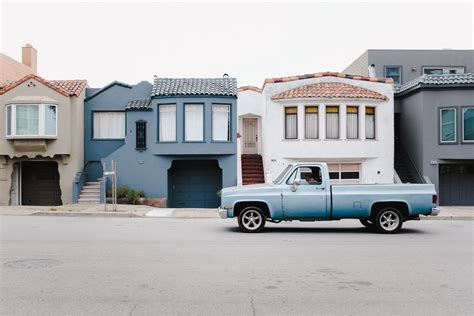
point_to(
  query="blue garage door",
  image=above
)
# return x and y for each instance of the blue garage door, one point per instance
(194, 183)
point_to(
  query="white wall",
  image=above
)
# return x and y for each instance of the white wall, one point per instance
(375, 156)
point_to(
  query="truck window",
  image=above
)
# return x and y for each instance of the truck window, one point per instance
(306, 176)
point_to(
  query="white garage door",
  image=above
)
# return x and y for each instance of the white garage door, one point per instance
(344, 173)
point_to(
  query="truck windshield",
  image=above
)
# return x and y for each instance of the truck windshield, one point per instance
(282, 174)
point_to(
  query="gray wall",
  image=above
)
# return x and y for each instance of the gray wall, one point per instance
(420, 129)
(114, 98)
(409, 58)
(419, 58)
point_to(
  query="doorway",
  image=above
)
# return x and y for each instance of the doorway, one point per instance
(250, 136)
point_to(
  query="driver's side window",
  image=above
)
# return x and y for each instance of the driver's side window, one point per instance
(305, 176)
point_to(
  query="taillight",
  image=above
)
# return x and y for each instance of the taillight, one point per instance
(435, 199)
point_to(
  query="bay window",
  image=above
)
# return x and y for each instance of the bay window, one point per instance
(109, 125)
(167, 122)
(447, 125)
(352, 122)
(332, 122)
(194, 122)
(468, 124)
(370, 123)
(220, 122)
(311, 122)
(31, 120)
(291, 122)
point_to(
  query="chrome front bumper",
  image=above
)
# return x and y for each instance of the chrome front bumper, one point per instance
(222, 212)
(435, 211)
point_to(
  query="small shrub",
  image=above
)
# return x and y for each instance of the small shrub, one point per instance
(125, 192)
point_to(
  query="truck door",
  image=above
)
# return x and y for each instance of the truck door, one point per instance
(304, 194)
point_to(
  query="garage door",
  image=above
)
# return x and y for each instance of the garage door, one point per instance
(456, 184)
(194, 183)
(40, 183)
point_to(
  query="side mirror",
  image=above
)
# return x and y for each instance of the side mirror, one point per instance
(295, 185)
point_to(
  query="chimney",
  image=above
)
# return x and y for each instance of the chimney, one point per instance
(371, 71)
(28, 57)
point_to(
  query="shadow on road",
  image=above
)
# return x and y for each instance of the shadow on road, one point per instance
(324, 230)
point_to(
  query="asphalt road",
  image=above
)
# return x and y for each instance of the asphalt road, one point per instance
(125, 266)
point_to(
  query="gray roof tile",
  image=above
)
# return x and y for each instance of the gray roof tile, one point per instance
(139, 105)
(194, 86)
(436, 81)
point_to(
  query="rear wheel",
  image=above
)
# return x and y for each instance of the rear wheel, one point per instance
(251, 220)
(367, 223)
(389, 220)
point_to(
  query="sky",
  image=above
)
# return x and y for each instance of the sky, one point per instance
(133, 41)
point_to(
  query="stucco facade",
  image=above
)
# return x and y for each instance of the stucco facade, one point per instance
(66, 148)
(160, 168)
(11, 70)
(373, 156)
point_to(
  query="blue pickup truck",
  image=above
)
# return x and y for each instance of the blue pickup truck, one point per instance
(303, 192)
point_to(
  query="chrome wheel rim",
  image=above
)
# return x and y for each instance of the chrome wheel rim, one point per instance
(252, 220)
(389, 220)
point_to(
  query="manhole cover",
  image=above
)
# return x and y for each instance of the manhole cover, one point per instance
(32, 263)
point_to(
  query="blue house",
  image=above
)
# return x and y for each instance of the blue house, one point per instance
(175, 139)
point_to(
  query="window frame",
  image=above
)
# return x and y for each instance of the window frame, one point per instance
(41, 121)
(400, 67)
(375, 122)
(463, 108)
(229, 118)
(175, 123)
(144, 137)
(108, 139)
(423, 67)
(284, 118)
(203, 122)
(440, 126)
(338, 121)
(317, 121)
(358, 122)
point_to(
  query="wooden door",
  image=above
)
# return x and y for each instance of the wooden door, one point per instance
(250, 136)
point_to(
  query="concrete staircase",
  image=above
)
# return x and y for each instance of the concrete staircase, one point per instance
(90, 193)
(252, 169)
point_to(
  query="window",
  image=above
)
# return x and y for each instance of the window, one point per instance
(291, 122)
(109, 125)
(311, 122)
(35, 120)
(439, 70)
(332, 122)
(167, 129)
(140, 129)
(370, 123)
(468, 124)
(395, 73)
(344, 173)
(306, 176)
(194, 122)
(448, 125)
(352, 122)
(220, 122)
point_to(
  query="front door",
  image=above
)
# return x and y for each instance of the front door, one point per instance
(304, 194)
(250, 136)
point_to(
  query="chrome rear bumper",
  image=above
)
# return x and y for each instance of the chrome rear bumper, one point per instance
(222, 212)
(435, 211)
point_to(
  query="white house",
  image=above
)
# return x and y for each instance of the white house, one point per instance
(343, 120)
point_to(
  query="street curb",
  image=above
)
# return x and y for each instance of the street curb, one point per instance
(85, 214)
(447, 218)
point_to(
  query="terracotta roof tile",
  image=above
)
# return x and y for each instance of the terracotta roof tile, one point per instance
(327, 74)
(251, 88)
(64, 87)
(329, 90)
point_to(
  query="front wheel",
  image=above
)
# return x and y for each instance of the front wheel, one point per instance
(389, 220)
(251, 220)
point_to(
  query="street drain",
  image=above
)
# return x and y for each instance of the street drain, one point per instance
(32, 263)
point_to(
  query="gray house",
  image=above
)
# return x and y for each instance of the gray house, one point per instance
(434, 116)
(174, 139)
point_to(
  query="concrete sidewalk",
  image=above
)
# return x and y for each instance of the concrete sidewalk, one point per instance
(123, 210)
